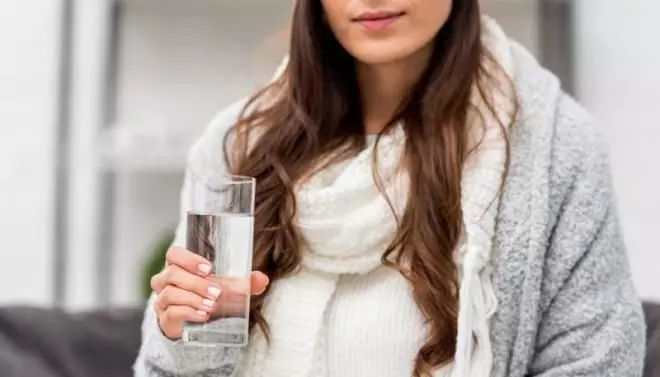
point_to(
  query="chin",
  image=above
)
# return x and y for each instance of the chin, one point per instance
(376, 55)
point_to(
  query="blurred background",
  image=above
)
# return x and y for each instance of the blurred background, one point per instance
(100, 100)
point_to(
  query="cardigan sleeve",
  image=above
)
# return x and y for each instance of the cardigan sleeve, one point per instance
(592, 322)
(594, 326)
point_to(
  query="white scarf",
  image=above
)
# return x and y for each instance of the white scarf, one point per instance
(347, 225)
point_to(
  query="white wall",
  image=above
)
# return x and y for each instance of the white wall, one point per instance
(618, 76)
(519, 18)
(180, 63)
(28, 79)
(89, 65)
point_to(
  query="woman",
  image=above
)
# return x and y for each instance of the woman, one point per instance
(429, 204)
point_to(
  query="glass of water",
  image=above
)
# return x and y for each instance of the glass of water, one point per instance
(220, 220)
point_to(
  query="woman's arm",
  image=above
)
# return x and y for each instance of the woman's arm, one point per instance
(161, 357)
(592, 322)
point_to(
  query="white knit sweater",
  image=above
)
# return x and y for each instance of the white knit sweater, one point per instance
(372, 327)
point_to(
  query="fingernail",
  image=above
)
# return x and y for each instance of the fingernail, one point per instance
(204, 268)
(208, 303)
(214, 292)
(201, 313)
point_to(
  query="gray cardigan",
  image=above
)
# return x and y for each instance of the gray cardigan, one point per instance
(567, 305)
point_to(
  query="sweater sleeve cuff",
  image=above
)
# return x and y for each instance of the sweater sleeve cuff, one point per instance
(166, 355)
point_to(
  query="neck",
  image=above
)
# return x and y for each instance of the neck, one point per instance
(383, 87)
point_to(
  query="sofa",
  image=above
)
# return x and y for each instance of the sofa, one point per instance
(652, 364)
(38, 342)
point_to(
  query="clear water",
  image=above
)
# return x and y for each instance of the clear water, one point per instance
(226, 241)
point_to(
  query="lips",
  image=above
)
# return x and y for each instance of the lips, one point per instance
(378, 20)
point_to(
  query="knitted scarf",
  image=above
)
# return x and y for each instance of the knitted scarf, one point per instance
(347, 224)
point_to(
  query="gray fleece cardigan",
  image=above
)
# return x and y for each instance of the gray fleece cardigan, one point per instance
(567, 305)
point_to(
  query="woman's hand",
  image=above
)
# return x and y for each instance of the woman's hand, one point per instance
(187, 293)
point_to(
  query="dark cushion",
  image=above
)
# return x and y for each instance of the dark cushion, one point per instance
(37, 342)
(652, 365)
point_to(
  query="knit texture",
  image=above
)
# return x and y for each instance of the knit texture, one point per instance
(566, 303)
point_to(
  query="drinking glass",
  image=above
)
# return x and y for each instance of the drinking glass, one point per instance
(220, 220)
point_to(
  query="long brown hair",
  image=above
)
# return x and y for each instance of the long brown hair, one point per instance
(313, 110)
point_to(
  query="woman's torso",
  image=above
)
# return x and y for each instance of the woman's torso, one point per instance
(372, 325)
